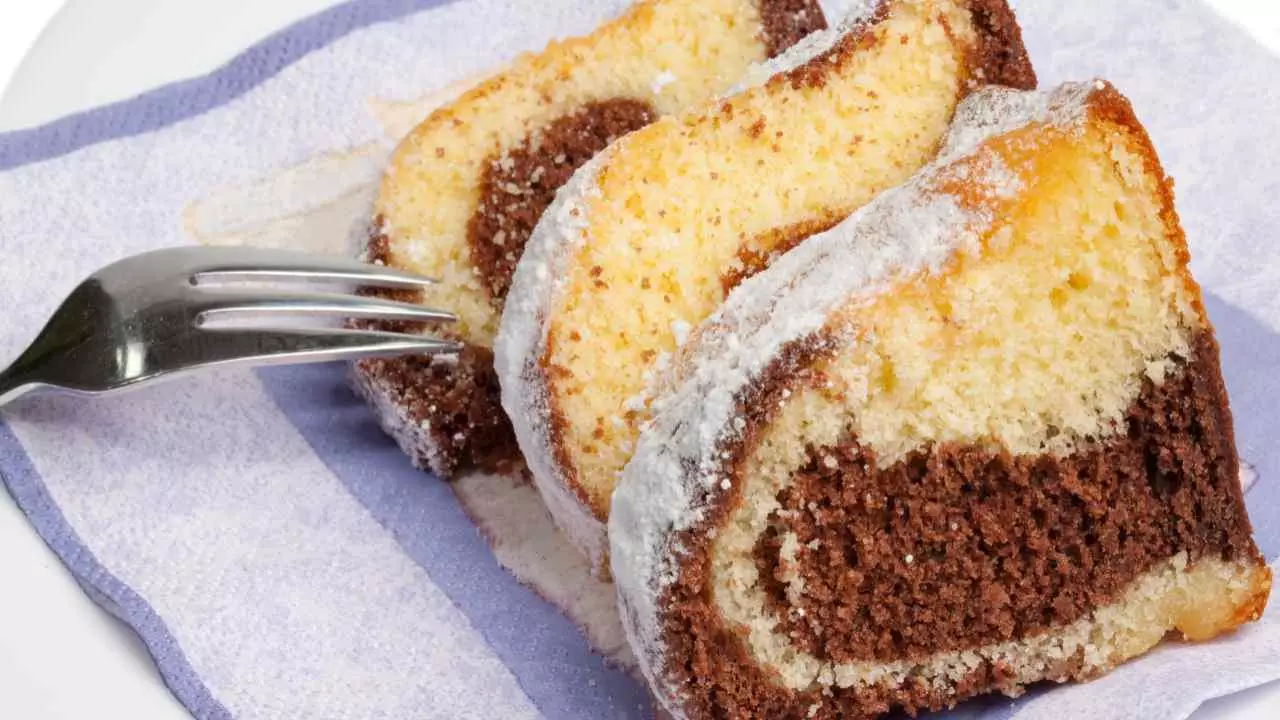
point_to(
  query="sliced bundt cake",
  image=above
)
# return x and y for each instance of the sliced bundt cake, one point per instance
(645, 240)
(465, 189)
(972, 438)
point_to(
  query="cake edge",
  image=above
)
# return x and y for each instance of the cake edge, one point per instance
(521, 346)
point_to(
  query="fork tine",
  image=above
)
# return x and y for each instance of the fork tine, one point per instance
(212, 304)
(224, 346)
(259, 264)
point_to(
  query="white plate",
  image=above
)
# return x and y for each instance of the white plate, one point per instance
(61, 657)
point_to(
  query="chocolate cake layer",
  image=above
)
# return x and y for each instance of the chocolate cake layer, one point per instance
(519, 185)
(1000, 53)
(1168, 483)
(453, 401)
(999, 57)
(786, 22)
(957, 547)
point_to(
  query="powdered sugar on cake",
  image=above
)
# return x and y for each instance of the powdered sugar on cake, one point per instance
(521, 343)
(677, 470)
(996, 111)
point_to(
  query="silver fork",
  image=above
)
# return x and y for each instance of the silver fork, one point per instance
(148, 317)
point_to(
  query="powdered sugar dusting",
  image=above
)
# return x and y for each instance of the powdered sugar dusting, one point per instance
(676, 473)
(1000, 110)
(680, 330)
(412, 435)
(521, 343)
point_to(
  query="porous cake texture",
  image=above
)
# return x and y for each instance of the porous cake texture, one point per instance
(646, 240)
(972, 438)
(465, 189)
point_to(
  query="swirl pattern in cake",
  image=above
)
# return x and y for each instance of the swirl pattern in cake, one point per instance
(973, 438)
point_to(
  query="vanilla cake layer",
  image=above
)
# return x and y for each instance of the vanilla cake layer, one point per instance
(973, 438)
(647, 239)
(464, 190)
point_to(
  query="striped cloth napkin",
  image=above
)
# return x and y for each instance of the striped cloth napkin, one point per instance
(276, 553)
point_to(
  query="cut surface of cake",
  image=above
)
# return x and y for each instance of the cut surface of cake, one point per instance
(646, 239)
(464, 190)
(973, 438)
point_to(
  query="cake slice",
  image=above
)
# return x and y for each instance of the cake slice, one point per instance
(645, 241)
(464, 190)
(973, 438)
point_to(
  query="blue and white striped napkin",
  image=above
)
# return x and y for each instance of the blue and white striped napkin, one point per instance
(277, 554)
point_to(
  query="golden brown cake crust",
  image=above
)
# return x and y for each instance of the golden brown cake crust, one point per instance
(1110, 106)
(555, 429)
